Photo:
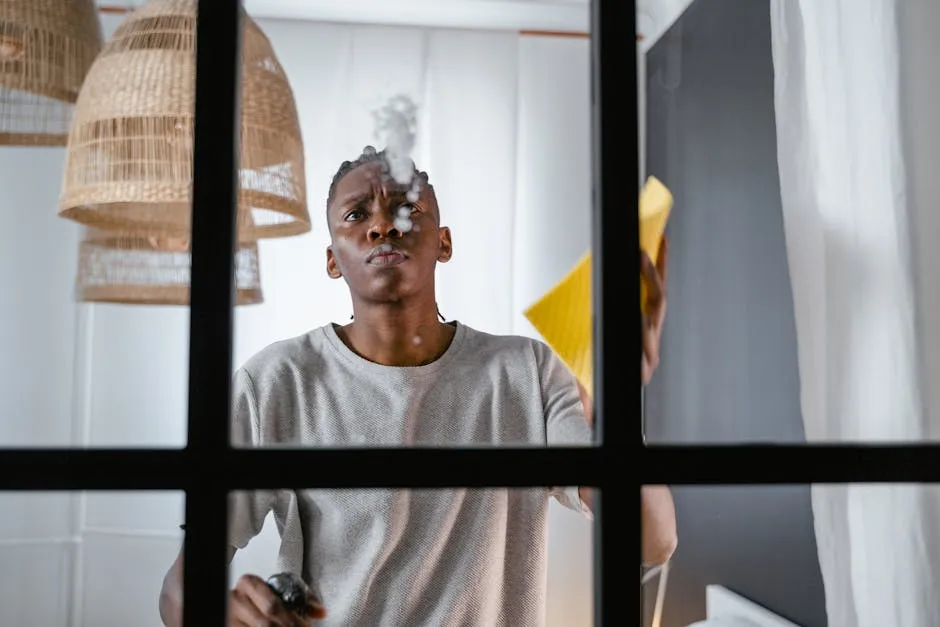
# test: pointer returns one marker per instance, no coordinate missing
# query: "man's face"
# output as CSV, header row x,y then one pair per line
x,y
385,246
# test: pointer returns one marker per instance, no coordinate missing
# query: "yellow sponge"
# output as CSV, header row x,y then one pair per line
x,y
563,316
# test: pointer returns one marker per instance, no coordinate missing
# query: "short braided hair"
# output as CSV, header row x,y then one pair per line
x,y
369,155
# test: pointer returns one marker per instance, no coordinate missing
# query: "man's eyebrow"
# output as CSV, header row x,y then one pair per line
x,y
353,199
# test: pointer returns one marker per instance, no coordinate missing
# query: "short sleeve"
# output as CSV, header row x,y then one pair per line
x,y
247,509
565,423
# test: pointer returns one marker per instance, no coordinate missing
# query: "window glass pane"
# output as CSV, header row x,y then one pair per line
x,y
801,290
95,294
501,125
100,558
729,369
86,558
784,555
753,548
347,347
424,556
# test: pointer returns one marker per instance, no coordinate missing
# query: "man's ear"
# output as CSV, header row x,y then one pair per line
x,y
332,270
447,245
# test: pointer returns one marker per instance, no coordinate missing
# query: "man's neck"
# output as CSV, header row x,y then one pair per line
x,y
397,335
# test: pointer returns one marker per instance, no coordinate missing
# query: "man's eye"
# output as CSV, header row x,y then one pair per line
x,y
355,214
407,209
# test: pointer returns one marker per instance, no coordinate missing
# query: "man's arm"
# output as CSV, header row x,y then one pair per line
x,y
658,522
657,510
587,494
171,594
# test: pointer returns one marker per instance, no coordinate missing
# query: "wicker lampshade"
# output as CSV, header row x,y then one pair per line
x,y
152,270
46,48
130,149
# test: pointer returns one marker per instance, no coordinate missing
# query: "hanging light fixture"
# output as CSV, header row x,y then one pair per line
x,y
144,269
46,48
114,267
130,149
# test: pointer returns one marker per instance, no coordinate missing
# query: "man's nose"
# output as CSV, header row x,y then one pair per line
x,y
383,226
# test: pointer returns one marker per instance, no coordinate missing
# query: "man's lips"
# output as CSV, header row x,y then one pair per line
x,y
387,259
385,255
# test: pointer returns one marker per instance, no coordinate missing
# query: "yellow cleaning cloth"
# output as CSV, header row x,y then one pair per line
x,y
563,318
563,315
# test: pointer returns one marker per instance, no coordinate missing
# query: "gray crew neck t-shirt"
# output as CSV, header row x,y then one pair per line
x,y
435,558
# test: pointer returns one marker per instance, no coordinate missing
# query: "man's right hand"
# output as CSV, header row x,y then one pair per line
x,y
252,603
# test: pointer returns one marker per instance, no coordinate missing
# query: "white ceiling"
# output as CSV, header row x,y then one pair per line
x,y
654,17
555,15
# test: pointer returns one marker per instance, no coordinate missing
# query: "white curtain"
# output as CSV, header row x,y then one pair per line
x,y
848,234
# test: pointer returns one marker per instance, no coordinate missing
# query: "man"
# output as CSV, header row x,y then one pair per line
x,y
397,376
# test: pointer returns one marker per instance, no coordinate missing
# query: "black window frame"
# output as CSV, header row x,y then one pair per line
x,y
208,468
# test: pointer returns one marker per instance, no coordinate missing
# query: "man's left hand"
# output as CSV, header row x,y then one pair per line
x,y
654,276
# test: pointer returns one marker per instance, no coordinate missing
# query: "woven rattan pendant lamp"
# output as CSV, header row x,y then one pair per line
x,y
46,48
130,149
141,270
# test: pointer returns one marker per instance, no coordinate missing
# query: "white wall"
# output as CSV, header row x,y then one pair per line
x,y
37,349
37,336
42,331
523,137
